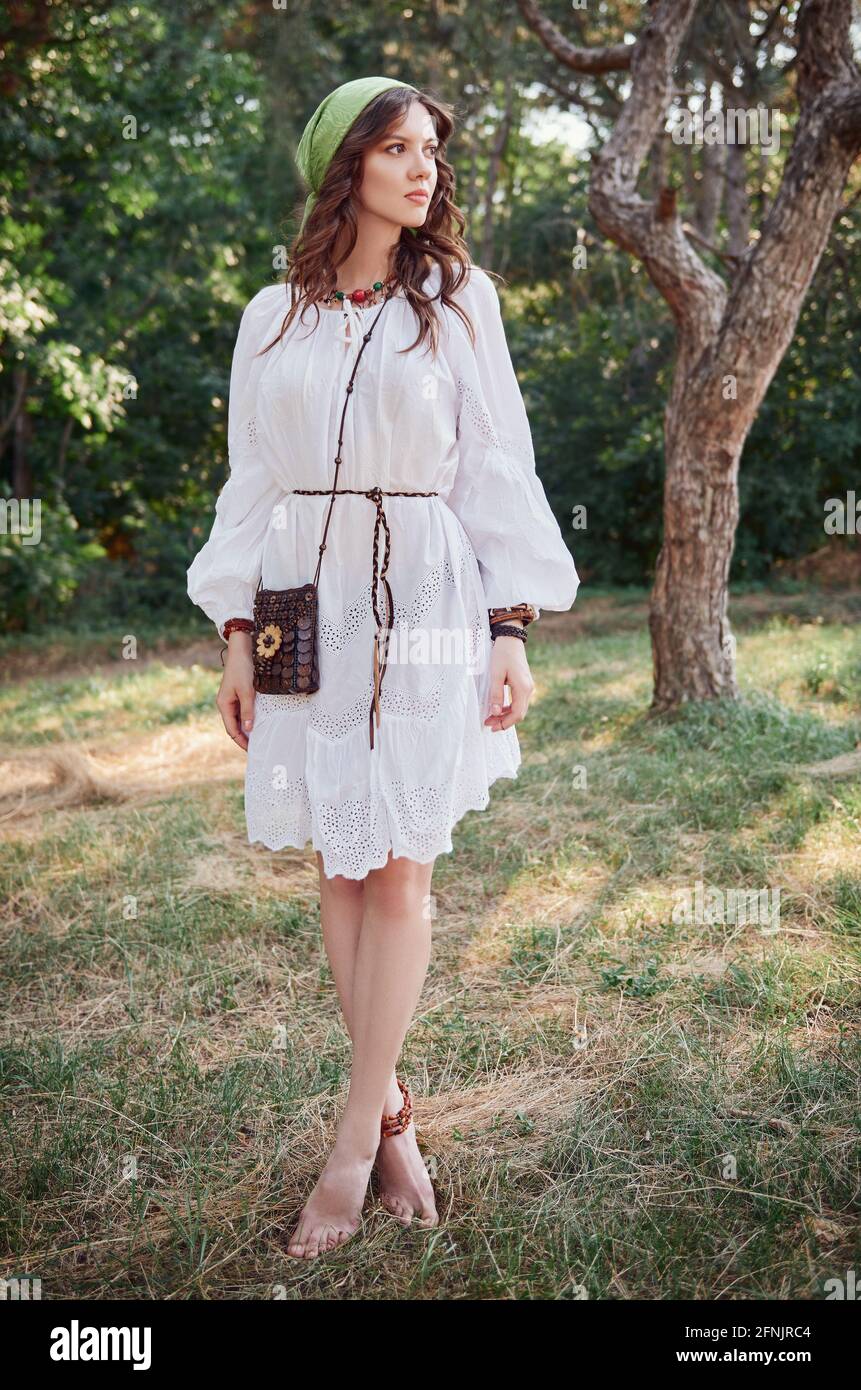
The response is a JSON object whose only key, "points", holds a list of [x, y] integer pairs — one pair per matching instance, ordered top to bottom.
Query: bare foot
{"points": [[405, 1186], [333, 1212]]}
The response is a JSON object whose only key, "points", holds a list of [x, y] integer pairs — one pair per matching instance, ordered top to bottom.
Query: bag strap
{"points": [[365, 340]]}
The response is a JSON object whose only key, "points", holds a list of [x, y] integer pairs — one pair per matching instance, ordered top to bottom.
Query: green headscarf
{"points": [[328, 126]]}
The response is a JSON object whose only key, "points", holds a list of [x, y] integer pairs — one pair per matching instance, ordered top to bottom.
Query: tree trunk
{"points": [[494, 164], [22, 473], [692, 647]]}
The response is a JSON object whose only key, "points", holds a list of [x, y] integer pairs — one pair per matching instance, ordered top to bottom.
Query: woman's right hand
{"points": [[235, 699]]}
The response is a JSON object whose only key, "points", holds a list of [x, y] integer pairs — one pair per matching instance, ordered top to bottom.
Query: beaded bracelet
{"points": [[237, 625]]}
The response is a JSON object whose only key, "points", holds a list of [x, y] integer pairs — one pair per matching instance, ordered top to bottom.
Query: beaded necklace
{"points": [[371, 295]]}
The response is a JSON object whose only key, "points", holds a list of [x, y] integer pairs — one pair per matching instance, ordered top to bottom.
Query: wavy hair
{"points": [[311, 256]]}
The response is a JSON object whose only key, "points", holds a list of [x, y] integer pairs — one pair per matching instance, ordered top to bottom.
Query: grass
{"points": [[615, 1096]]}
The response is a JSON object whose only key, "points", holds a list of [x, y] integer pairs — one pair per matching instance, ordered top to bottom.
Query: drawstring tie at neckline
{"points": [[354, 320], [356, 326]]}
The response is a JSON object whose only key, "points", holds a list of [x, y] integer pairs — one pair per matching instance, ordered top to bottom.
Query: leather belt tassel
{"points": [[381, 636]]}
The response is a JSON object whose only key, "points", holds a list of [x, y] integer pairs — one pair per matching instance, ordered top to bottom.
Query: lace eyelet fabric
{"points": [[475, 413], [458, 523], [404, 817]]}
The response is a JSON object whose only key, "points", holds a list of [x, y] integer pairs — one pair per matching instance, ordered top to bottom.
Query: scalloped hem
{"points": [[445, 846]]}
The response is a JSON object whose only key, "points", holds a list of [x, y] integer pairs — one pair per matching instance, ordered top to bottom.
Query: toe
{"points": [[401, 1211], [426, 1212], [297, 1242], [312, 1245]]}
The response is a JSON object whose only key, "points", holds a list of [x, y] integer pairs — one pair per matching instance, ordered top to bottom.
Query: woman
{"points": [[438, 520]]}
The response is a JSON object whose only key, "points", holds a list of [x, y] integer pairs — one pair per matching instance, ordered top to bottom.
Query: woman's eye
{"points": [[400, 146]]}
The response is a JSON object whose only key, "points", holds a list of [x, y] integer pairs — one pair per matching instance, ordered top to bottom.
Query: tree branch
{"points": [[770, 23], [824, 55], [613, 58], [576, 97], [650, 231], [653, 232], [694, 235], [766, 297]]}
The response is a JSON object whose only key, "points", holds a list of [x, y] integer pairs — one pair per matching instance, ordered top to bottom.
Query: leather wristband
{"points": [[524, 611], [507, 630]]}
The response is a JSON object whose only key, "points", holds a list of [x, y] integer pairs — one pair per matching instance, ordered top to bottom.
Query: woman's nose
{"points": [[423, 170]]}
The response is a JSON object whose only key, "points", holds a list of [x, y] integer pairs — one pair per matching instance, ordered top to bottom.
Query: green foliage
{"points": [[131, 154], [146, 178], [805, 444], [43, 559], [639, 984]]}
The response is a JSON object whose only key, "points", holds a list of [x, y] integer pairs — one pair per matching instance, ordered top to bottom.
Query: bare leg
{"points": [[396, 901], [342, 904], [389, 965], [405, 1187]]}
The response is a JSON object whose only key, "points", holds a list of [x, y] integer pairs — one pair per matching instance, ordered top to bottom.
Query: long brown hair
{"points": [[311, 256]]}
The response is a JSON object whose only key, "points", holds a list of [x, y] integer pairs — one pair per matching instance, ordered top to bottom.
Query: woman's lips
{"points": [[418, 197]]}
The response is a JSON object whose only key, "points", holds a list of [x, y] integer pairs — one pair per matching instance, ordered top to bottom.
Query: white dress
{"points": [[455, 425]]}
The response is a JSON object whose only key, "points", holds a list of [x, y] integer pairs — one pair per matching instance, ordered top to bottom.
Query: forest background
{"points": [[148, 187]]}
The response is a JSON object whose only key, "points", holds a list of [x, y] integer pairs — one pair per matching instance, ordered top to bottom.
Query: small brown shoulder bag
{"points": [[284, 647]]}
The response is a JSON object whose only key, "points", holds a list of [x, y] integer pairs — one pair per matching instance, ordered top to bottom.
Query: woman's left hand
{"points": [[508, 666]]}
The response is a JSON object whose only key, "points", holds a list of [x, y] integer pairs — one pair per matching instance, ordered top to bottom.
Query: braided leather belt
{"points": [[376, 495]]}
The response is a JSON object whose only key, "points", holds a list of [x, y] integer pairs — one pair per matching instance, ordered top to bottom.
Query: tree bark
{"points": [[714, 171], [737, 199], [737, 204]]}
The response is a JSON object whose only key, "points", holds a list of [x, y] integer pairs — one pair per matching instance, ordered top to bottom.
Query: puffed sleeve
{"points": [[496, 493], [224, 574]]}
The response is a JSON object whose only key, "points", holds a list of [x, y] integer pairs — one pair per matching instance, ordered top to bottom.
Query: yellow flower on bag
{"points": [[269, 640]]}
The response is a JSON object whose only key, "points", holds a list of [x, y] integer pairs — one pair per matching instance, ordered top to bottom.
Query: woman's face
{"points": [[401, 163]]}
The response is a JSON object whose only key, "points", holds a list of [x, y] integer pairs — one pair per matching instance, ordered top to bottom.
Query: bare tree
{"points": [[730, 337]]}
